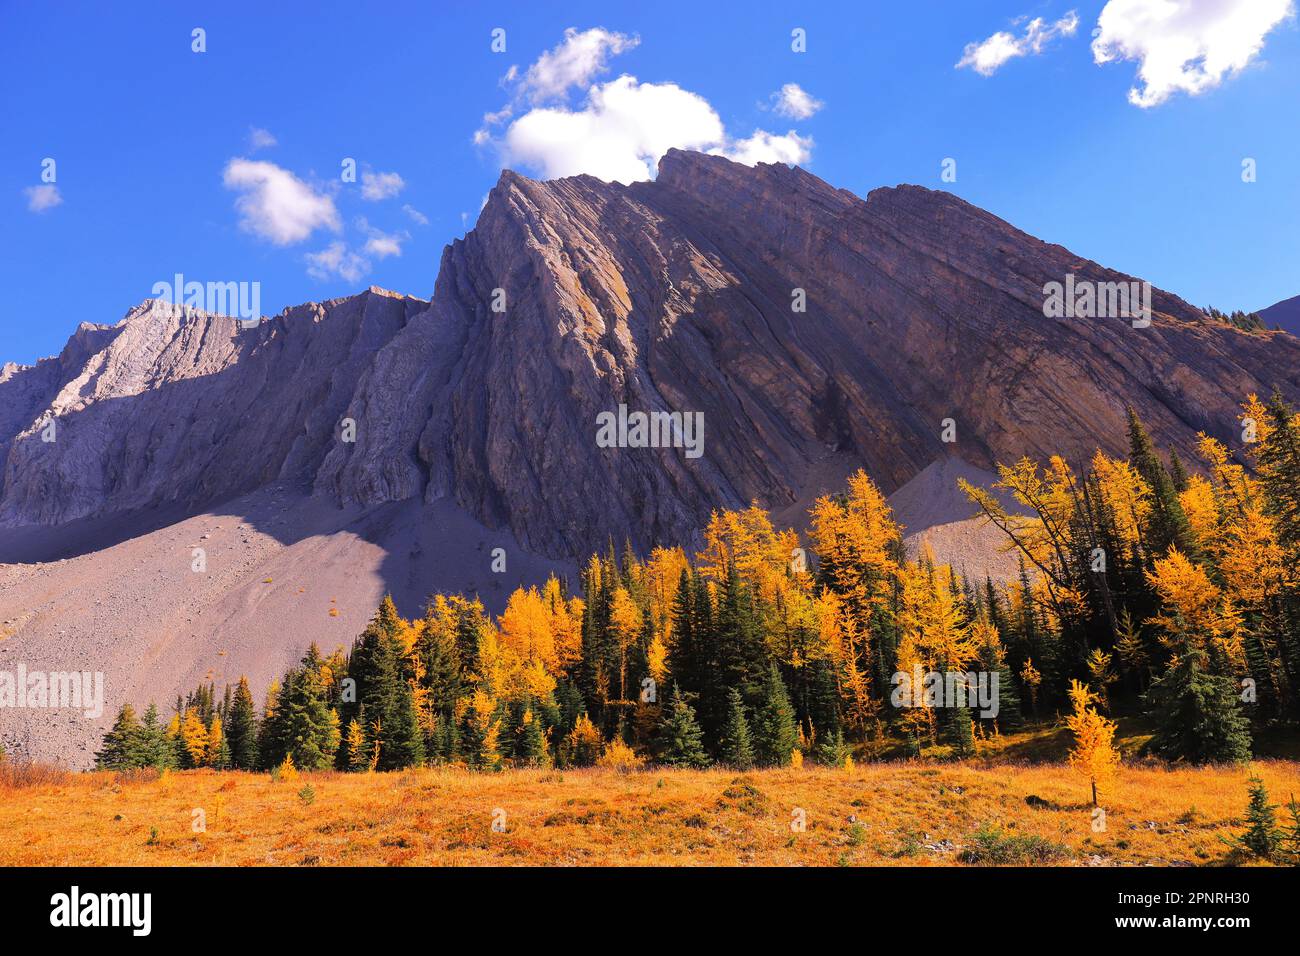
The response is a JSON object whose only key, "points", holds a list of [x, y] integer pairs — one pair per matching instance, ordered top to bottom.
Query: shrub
{"points": [[991, 847]]}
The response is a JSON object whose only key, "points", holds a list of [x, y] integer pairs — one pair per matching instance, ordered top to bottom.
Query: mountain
{"points": [[1284, 314], [476, 414]]}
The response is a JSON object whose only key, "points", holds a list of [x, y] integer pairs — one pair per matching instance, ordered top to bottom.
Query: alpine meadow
{"points": [[575, 438]]}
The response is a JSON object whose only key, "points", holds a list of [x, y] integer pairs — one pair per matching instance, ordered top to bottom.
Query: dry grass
{"points": [[21, 775], [913, 813]]}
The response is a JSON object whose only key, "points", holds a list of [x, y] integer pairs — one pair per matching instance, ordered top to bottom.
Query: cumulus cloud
{"points": [[1187, 46], [986, 56], [573, 63], [794, 102], [621, 127], [619, 134], [259, 138], [765, 147], [377, 186], [41, 198], [276, 205], [381, 244], [337, 261]]}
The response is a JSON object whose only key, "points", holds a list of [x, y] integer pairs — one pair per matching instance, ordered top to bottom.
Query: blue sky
{"points": [[144, 132]]}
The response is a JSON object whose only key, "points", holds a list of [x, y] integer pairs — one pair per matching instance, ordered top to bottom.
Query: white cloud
{"points": [[1184, 45], [988, 55], [573, 63], [794, 102], [623, 126], [619, 134], [259, 138], [765, 147], [377, 186], [41, 198], [275, 204], [419, 218], [381, 244], [336, 261]]}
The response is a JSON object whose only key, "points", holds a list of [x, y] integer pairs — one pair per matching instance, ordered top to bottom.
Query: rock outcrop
{"points": [[678, 295], [573, 297], [173, 405]]}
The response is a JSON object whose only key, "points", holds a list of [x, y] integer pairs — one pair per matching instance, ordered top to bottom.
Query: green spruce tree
{"points": [[736, 749]]}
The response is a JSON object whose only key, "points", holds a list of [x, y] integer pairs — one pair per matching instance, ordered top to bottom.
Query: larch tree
{"points": [[1094, 754]]}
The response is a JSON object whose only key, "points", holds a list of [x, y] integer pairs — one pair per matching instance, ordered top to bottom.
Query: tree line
{"points": [[1142, 582]]}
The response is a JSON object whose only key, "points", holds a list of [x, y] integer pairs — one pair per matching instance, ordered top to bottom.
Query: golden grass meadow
{"points": [[912, 813]]}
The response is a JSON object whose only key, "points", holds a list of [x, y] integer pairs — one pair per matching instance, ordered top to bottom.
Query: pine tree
{"points": [[1169, 525], [993, 661], [382, 690], [1196, 708], [306, 728], [241, 729], [961, 730], [480, 734], [775, 734], [270, 739], [680, 741], [530, 742], [122, 745], [156, 749], [736, 749], [832, 750], [1262, 836], [1289, 843]]}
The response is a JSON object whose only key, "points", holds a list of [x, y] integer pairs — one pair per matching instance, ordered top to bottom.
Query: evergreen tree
{"points": [[1168, 524], [439, 657], [994, 663], [382, 691], [1197, 714], [307, 726], [241, 728], [960, 730], [775, 734], [480, 735], [270, 739], [680, 741], [530, 742], [122, 745], [156, 749], [736, 749], [833, 750], [1262, 836]]}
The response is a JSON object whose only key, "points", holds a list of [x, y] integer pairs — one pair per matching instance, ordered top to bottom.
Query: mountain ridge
{"points": [[673, 294]]}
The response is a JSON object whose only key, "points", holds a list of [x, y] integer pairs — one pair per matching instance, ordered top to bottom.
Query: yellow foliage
{"points": [[194, 737], [1094, 753], [619, 756]]}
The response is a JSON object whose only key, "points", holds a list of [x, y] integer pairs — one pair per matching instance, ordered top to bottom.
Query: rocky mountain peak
{"points": [[811, 331]]}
